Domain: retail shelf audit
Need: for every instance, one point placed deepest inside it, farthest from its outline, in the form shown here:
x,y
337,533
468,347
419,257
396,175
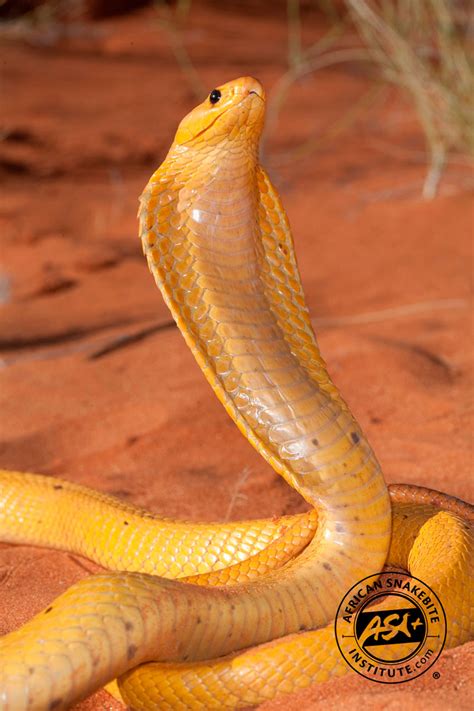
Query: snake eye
x,y
214,96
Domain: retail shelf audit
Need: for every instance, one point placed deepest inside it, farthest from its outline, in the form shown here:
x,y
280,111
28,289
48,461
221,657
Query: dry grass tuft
x,y
425,47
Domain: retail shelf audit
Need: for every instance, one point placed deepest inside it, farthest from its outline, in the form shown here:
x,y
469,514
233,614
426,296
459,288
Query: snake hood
x,y
220,248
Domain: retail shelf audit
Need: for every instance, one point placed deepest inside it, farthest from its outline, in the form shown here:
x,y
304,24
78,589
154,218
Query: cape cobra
x,y
219,245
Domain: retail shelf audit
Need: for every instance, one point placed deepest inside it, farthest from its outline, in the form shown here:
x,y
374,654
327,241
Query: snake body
x,y
219,245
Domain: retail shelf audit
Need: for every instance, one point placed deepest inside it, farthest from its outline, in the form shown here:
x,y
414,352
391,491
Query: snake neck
x,y
203,234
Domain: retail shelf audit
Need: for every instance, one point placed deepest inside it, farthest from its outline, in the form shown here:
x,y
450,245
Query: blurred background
x,y
369,138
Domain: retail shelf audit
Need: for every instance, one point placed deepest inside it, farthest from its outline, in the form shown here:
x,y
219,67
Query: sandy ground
x,y
90,113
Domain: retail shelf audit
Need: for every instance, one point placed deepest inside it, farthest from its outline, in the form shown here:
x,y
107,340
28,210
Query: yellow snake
x,y
218,242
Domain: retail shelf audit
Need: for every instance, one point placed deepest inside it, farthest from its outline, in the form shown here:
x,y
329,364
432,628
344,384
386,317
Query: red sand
x,y
89,117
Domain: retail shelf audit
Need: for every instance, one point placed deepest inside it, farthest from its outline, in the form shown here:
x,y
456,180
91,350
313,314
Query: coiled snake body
x,y
219,245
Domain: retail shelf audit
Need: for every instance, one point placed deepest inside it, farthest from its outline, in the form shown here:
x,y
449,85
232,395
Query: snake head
x,y
229,111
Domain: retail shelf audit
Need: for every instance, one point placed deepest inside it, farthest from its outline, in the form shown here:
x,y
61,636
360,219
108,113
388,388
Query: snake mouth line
x,y
223,113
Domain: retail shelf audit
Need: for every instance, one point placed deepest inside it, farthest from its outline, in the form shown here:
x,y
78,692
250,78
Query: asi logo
x,y
390,627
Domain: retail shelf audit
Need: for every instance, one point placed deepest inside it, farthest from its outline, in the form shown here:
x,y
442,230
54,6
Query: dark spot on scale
x,y
186,657
125,523
356,518
58,486
230,634
232,607
405,516
327,566
376,420
198,621
48,609
55,703
302,628
315,441
31,670
131,651
129,626
355,437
